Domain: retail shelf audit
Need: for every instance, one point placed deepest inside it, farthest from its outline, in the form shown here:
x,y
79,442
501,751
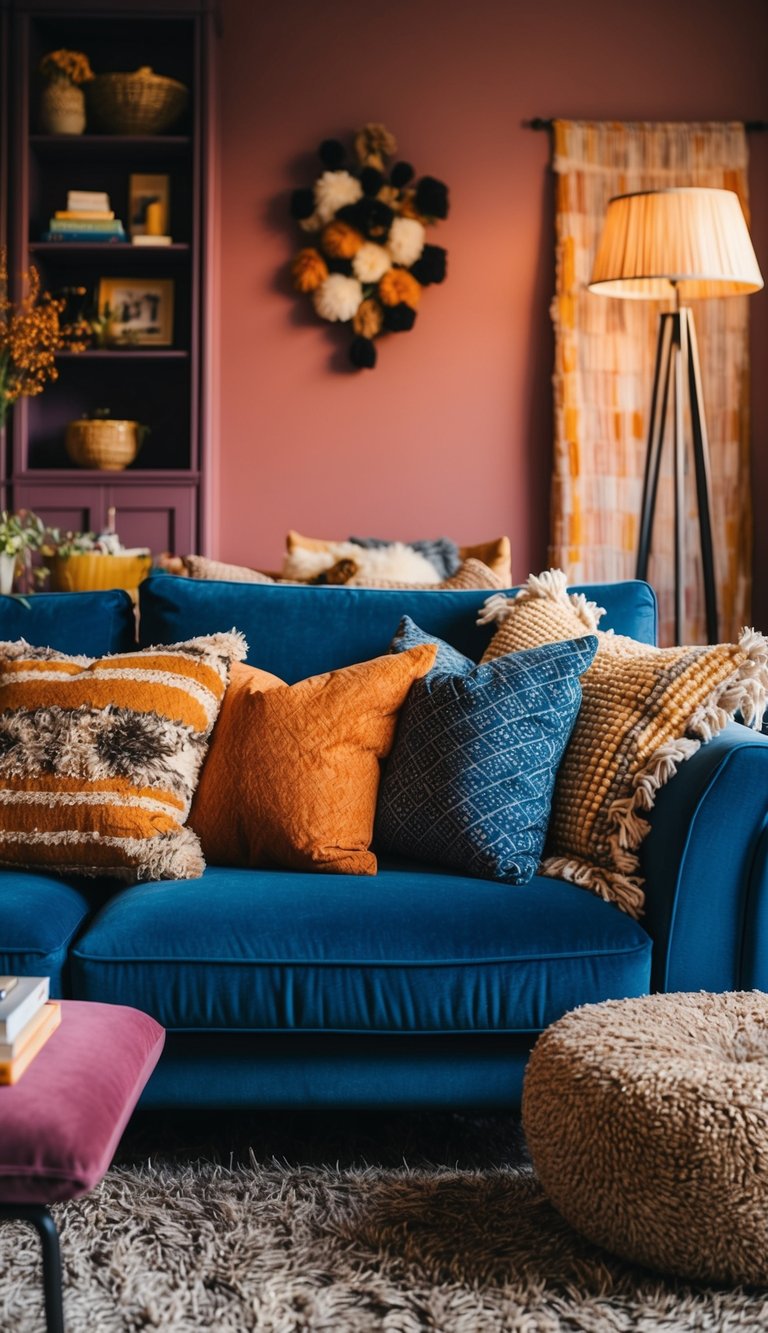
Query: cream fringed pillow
x,y
99,759
470,574
644,710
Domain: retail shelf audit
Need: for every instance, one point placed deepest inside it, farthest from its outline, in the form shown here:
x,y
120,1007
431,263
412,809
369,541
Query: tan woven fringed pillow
x,y
200,567
644,710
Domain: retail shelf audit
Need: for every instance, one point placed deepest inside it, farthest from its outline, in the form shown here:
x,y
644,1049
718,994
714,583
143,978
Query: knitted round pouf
x,y
647,1121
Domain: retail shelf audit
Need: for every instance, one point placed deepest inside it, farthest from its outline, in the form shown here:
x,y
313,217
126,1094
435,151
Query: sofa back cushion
x,y
88,623
295,632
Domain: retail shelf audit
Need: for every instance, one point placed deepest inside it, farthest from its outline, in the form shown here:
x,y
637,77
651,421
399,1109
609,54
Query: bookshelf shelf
x,y
81,147
161,498
66,251
127,353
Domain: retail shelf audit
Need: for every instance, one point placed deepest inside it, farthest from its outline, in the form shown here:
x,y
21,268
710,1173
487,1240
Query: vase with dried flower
x,y
31,333
62,101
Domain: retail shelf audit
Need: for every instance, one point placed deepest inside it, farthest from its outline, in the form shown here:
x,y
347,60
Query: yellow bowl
x,y
95,571
110,444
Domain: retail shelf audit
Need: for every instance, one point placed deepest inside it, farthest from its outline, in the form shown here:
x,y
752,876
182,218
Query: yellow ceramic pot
x,y
95,571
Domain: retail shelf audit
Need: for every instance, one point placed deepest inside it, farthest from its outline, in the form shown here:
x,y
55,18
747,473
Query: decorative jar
x,y
62,108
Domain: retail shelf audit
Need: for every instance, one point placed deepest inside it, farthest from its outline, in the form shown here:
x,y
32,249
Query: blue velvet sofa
x,y
413,988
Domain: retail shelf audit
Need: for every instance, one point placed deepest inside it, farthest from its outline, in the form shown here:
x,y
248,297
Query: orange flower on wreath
x,y
368,319
308,270
340,241
398,285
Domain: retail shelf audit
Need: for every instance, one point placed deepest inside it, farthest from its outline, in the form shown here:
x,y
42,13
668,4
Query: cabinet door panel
x,y
73,509
160,517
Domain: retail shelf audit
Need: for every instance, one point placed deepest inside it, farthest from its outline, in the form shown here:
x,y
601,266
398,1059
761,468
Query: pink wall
x,y
450,434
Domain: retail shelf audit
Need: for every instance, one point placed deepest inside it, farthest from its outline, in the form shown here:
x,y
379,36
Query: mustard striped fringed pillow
x,y
644,710
99,759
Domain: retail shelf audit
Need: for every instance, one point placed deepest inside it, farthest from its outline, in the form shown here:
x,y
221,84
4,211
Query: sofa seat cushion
x,y
409,950
39,917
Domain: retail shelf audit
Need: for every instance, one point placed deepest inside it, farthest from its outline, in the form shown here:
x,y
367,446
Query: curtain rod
x,y
541,123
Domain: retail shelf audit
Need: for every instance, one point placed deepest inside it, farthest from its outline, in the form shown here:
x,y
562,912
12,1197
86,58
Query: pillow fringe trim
x,y
551,585
745,689
625,891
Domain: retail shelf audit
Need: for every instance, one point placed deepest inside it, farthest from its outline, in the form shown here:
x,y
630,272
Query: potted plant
x,y
20,533
84,562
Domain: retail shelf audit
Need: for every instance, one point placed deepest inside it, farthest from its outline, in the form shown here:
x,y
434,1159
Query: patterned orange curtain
x,y
604,361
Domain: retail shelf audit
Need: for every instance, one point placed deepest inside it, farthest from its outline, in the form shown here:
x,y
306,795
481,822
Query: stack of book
x,y
27,1019
87,217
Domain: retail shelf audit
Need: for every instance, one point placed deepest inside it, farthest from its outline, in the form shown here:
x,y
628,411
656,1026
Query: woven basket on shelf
x,y
95,571
107,444
138,103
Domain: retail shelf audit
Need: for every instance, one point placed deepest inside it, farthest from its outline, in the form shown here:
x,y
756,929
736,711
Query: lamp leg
x,y
679,472
702,470
658,414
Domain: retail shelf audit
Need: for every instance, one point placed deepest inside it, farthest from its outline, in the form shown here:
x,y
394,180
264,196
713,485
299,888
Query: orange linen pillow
x,y
298,777
217,774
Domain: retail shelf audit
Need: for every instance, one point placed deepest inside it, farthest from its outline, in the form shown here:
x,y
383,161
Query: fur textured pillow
x,y
99,758
644,711
398,563
495,554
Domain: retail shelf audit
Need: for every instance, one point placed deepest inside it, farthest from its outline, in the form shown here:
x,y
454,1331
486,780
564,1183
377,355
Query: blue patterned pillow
x,y
469,781
410,635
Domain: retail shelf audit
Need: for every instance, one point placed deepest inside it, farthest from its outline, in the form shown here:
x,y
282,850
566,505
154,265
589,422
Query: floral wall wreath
x,y
370,261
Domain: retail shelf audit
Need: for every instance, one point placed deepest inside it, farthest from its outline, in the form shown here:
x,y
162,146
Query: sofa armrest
x,y
705,862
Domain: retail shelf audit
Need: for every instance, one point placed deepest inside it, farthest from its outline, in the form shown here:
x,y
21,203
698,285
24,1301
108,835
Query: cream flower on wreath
x,y
338,297
406,240
313,223
333,190
371,262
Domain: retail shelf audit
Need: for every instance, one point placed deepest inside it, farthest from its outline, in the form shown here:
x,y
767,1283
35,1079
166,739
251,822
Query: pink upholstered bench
x,y
61,1123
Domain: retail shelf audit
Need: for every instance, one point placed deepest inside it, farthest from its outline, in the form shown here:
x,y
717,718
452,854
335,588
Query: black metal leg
x,y
701,467
677,369
679,466
39,1217
658,416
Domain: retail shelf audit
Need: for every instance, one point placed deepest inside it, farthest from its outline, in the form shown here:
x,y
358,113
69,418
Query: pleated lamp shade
x,y
693,239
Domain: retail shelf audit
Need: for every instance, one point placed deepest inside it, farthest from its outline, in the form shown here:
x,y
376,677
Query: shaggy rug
x,y
339,1224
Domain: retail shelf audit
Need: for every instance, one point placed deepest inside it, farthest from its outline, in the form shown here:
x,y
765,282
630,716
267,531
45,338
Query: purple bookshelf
x,y
161,498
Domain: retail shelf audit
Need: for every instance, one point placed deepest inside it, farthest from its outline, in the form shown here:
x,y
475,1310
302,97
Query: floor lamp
x,y
679,245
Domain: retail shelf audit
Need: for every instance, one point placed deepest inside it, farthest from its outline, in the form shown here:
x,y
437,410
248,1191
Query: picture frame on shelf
x,y
149,205
137,311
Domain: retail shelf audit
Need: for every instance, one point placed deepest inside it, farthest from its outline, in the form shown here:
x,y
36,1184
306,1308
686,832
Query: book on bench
x,y
30,1042
21,1004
